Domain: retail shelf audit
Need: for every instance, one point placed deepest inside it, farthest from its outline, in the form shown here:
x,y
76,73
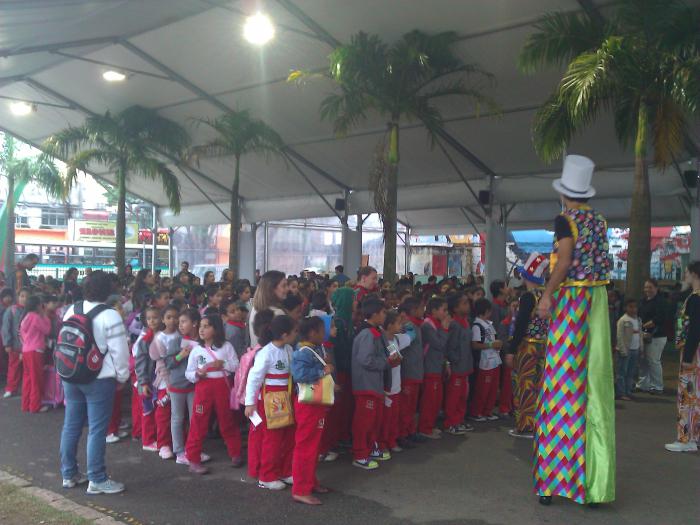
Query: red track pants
x,y
389,430
255,439
14,372
505,401
457,391
408,406
276,448
211,396
366,424
32,381
310,423
486,390
430,403
163,436
116,419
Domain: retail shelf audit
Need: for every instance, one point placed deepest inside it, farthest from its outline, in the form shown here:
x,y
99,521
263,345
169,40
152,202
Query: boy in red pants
x,y
13,346
484,339
411,374
370,361
461,363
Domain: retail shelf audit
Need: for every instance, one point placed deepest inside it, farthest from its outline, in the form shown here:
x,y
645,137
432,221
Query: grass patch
x,y
20,508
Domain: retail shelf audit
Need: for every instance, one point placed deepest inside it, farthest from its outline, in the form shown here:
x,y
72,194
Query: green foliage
x,y
648,54
39,170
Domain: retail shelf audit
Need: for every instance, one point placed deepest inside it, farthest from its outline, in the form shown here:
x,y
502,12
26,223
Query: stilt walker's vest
x,y
590,264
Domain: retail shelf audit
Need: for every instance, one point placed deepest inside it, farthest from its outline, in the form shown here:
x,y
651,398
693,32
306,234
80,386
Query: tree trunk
x,y
389,220
235,214
10,234
639,246
120,241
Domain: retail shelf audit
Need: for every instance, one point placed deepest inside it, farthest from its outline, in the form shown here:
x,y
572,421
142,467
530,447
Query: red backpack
x,y
77,357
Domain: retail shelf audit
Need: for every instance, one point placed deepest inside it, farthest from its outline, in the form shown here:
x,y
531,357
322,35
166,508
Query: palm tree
x,y
19,172
237,134
399,82
643,65
129,143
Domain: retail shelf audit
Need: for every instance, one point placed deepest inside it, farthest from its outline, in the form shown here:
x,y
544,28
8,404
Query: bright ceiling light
x,y
113,76
21,109
258,29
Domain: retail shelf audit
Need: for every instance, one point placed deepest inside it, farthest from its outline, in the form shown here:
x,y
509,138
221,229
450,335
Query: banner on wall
x,y
103,231
439,265
454,264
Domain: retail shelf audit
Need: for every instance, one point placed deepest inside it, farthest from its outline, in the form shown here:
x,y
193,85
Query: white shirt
x,y
109,332
395,346
271,360
636,341
200,357
490,358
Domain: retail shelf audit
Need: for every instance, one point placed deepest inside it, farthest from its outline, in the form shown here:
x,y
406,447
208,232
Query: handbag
x,y
278,407
322,392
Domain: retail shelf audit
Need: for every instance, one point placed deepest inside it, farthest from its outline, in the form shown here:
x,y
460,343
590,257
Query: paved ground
x,y
483,479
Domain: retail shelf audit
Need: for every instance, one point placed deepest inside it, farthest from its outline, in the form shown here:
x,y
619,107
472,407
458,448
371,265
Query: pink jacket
x,y
34,330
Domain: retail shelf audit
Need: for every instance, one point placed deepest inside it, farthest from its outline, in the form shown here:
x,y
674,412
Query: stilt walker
x,y
575,425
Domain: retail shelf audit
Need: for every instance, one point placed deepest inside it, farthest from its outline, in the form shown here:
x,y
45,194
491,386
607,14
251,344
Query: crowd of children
x,y
367,367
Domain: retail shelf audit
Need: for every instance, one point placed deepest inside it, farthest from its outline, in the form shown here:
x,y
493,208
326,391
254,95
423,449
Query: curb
x,y
56,500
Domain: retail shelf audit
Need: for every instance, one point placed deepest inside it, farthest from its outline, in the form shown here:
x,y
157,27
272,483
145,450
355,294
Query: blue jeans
x,y
626,372
92,403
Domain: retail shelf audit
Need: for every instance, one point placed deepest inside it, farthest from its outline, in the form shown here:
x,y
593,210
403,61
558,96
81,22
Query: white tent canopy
x,y
187,58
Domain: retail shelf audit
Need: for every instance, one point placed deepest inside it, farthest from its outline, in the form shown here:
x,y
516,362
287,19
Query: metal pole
x,y
407,246
170,251
154,239
266,251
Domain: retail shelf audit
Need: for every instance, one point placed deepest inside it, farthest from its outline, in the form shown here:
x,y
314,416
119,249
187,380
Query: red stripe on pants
x,y
457,391
408,406
486,390
505,401
310,423
32,381
163,436
366,424
136,411
212,396
430,403
389,432
116,419
14,372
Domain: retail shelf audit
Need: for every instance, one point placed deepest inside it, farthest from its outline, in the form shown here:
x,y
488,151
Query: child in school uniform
x,y
434,335
396,342
114,433
208,367
484,339
236,332
370,360
272,369
461,363
35,328
13,345
309,365
145,369
165,342
6,298
412,372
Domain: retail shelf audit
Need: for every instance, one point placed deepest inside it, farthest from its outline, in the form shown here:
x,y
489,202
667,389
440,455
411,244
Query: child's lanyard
x,y
212,354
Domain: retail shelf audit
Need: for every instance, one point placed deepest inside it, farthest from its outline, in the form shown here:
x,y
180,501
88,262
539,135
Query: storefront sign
x,y
103,231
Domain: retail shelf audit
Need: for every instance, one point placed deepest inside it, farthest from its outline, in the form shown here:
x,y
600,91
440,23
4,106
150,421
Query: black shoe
x,y
405,443
593,505
417,438
546,500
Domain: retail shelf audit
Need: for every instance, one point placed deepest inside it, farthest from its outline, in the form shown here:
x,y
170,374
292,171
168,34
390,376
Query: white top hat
x,y
576,178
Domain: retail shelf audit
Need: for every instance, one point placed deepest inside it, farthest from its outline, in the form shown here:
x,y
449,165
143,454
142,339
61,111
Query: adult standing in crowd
x,y
143,287
185,268
575,432
340,276
70,285
271,291
21,279
92,402
653,311
688,343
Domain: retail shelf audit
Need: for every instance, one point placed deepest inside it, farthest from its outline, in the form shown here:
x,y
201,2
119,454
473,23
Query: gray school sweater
x,y
459,348
144,366
10,327
369,362
412,363
236,335
435,356
177,380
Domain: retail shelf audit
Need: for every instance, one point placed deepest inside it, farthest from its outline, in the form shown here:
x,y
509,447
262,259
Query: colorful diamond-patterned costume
x,y
575,425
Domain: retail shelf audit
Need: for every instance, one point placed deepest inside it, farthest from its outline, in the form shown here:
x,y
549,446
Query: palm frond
x,y
668,126
558,38
552,129
346,110
154,169
625,114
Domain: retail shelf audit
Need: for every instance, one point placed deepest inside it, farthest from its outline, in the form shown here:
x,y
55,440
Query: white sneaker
x,y
112,438
204,457
108,486
44,408
7,395
181,459
78,479
677,446
288,480
166,453
328,456
493,417
153,447
272,485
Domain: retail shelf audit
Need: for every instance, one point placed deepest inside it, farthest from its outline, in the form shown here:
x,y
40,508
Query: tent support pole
x,y
313,187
